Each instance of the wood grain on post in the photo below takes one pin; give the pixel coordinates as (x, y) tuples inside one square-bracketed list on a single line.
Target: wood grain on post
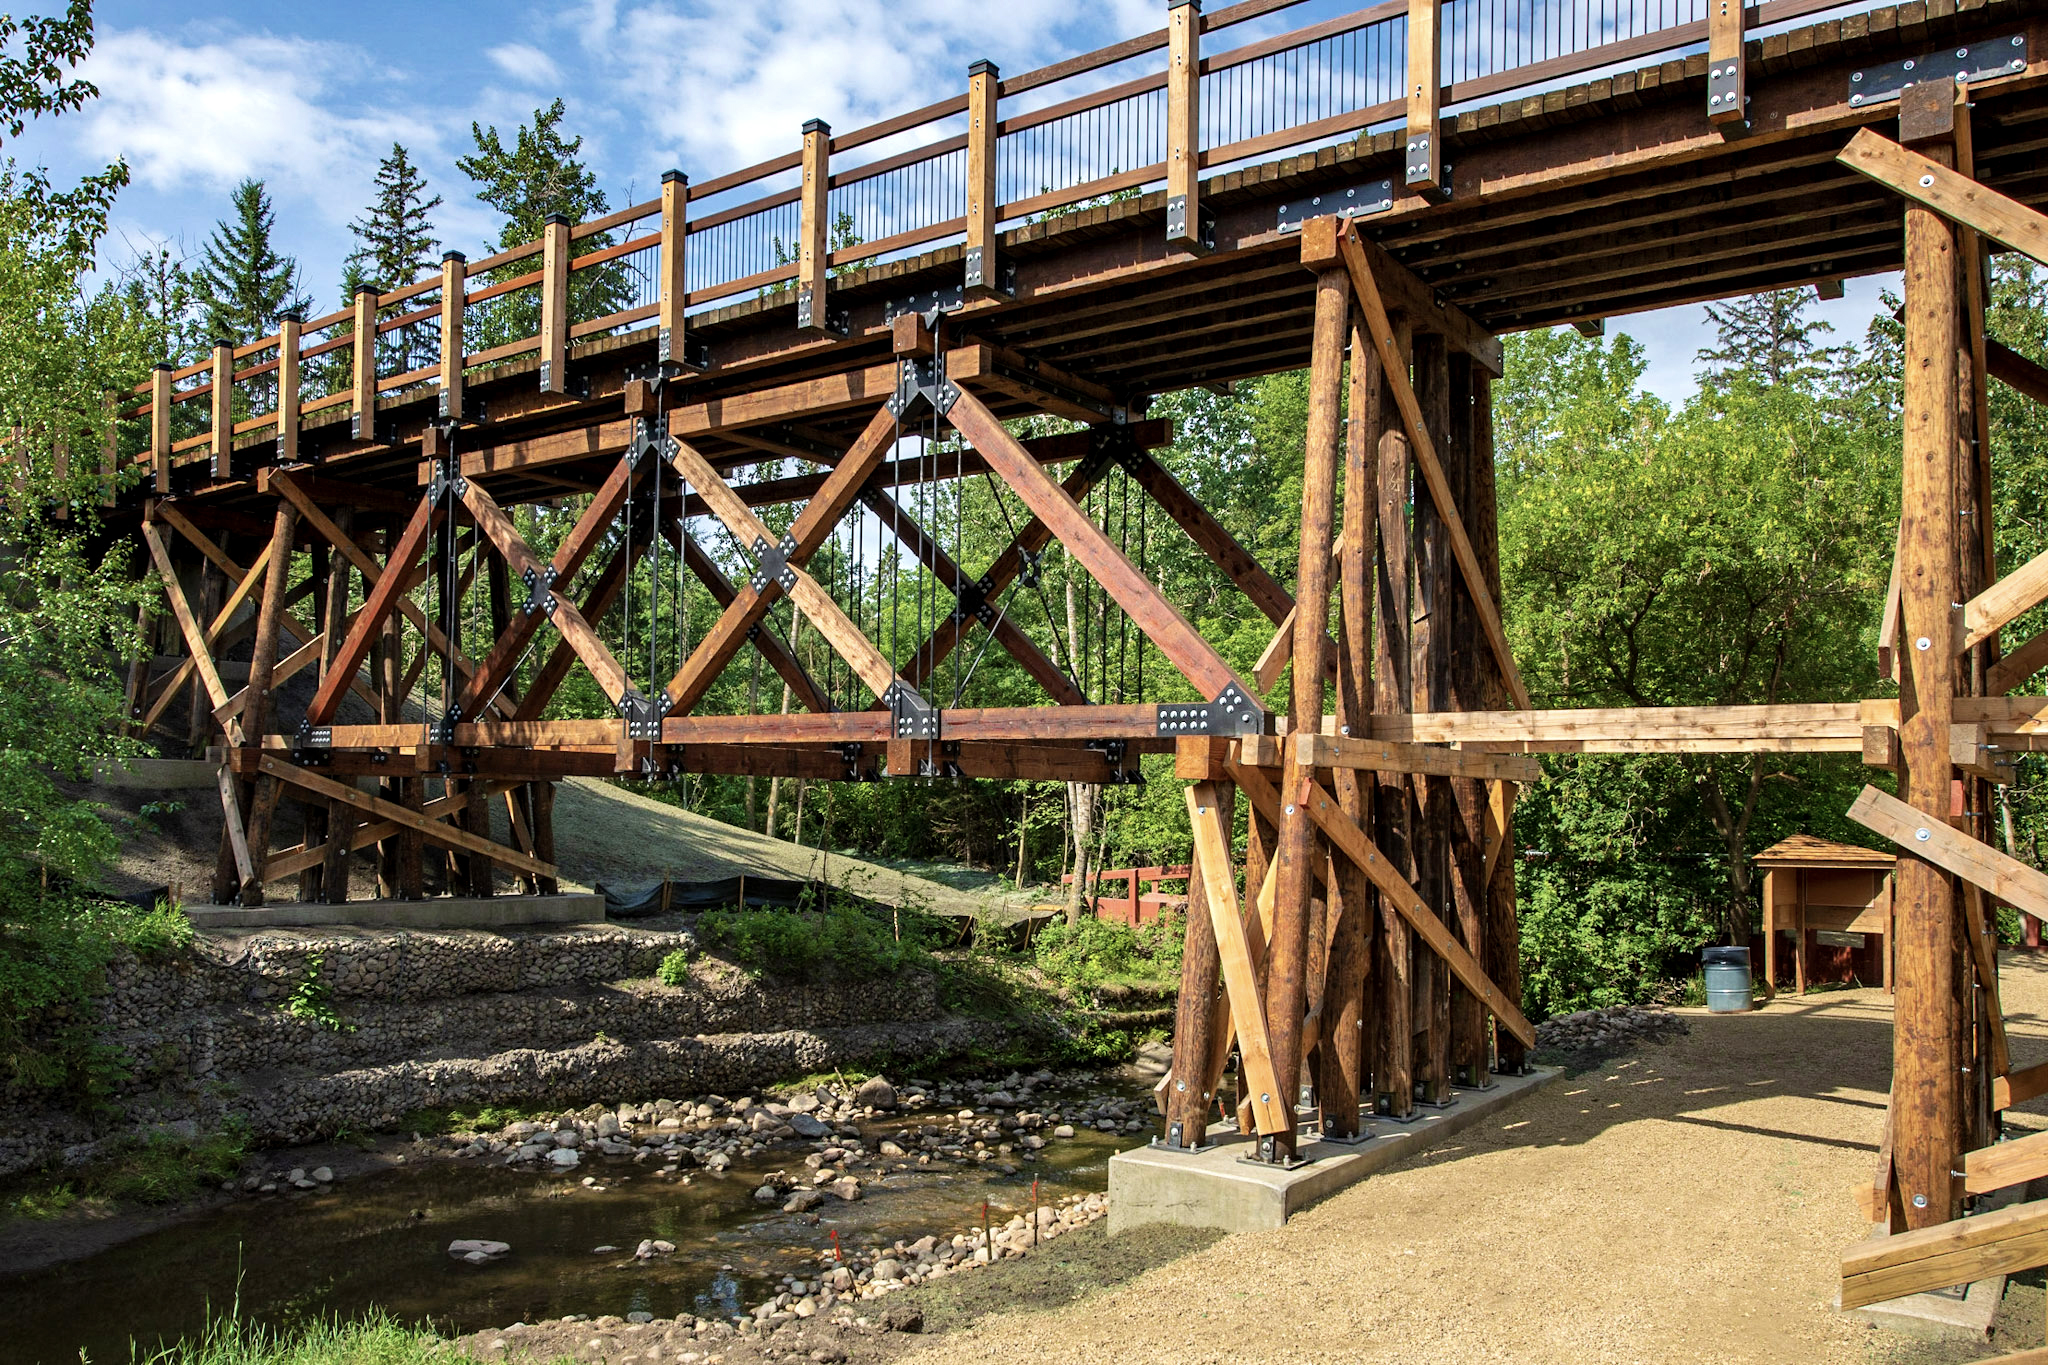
[(1425, 94), (1468, 669), (1393, 695), (289, 382), (1184, 125), (675, 239), (1927, 1088), (261, 707), (554, 304), (1190, 1096), (454, 283), (1287, 986), (814, 229), (223, 408), (363, 372), (984, 276)]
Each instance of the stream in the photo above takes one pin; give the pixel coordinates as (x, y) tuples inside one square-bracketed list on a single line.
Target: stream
[(380, 1240)]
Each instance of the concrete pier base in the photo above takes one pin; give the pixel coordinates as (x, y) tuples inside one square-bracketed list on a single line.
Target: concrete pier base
[(438, 912), (1213, 1188)]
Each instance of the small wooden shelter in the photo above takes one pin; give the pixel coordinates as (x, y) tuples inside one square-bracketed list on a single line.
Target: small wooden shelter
[(1815, 887)]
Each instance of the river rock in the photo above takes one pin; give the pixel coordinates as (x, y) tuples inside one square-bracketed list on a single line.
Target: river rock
[(889, 1148), (1065, 1130), (569, 1138), (767, 1194), (807, 1127), (477, 1250), (322, 1175), (802, 1104), (564, 1158), (803, 1201), (847, 1188), (876, 1093), (888, 1268)]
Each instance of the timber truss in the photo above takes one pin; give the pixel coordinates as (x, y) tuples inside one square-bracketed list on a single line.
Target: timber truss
[(1366, 936)]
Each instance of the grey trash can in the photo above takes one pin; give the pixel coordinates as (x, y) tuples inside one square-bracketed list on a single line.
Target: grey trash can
[(1727, 977)]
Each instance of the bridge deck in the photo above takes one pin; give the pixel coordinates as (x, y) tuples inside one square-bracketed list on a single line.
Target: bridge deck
[(1608, 197)]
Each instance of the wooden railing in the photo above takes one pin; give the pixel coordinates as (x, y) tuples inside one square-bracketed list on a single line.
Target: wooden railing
[(1152, 110)]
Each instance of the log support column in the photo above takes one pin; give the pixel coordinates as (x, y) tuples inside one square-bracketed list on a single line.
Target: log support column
[(1929, 1042)]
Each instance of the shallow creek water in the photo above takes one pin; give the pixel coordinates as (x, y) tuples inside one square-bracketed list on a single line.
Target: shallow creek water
[(380, 1241)]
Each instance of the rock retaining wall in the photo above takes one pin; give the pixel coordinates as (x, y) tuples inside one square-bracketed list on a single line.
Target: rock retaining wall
[(458, 1018)]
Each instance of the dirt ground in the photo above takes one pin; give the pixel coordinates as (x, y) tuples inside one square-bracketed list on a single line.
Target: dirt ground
[(1689, 1201)]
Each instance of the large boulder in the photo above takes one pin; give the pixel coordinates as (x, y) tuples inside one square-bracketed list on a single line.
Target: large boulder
[(876, 1093)]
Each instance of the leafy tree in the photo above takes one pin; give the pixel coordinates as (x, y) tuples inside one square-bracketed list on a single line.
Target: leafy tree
[(244, 285), (65, 618), (540, 174), (1732, 552)]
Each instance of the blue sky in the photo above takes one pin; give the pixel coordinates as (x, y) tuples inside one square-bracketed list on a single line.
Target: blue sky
[(308, 96)]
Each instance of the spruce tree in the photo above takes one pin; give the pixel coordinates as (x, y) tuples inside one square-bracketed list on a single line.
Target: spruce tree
[(242, 283), (395, 238), (1768, 338)]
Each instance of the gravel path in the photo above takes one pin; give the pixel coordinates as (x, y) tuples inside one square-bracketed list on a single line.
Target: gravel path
[(1686, 1201)]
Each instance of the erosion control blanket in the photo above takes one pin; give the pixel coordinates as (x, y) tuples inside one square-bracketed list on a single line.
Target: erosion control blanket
[(664, 897)]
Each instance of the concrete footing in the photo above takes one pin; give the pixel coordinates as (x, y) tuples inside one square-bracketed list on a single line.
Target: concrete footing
[(1213, 1187), (1941, 1315), (440, 912)]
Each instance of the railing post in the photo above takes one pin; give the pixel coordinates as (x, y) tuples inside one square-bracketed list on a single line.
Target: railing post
[(675, 234), (1425, 165), (363, 399), (554, 305), (160, 426), (983, 270), (288, 328), (110, 455), (1184, 126), (454, 285), (814, 230), (223, 408), (1726, 100)]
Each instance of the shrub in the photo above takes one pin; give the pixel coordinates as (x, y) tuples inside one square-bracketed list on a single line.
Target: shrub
[(313, 1000), (674, 969), (1095, 952), (845, 940)]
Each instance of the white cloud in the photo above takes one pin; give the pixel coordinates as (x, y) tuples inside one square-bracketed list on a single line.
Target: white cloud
[(288, 110), (741, 80), (527, 65)]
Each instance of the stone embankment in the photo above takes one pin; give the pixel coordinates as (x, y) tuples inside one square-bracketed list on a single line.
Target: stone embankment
[(303, 1034)]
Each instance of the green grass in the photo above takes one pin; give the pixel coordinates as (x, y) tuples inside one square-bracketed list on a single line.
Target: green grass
[(163, 1169), (46, 1202), (433, 1122), (376, 1340)]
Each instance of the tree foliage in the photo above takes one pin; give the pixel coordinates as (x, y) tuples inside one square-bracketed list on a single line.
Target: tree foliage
[(243, 284)]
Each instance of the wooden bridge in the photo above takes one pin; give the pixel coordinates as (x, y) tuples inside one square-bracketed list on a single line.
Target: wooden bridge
[(1386, 193)]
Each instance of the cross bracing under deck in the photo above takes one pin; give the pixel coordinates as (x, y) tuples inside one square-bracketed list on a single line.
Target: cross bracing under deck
[(1375, 197)]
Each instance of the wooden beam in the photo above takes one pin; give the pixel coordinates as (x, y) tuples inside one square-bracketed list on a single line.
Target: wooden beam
[(231, 813), (1176, 639), (814, 230), (1213, 538), (197, 645), (669, 346), (1948, 192), (160, 426), (597, 656), (1940, 843), (454, 286), (2012, 1090), (288, 388), (2005, 601), (405, 818), (362, 421), (1272, 1102), (223, 409), (1184, 126), (1424, 141), (554, 304), (802, 686), (1378, 755), (1953, 1253), (1727, 103), (2016, 371), (1348, 839), (1428, 466), (384, 595), (983, 270)]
